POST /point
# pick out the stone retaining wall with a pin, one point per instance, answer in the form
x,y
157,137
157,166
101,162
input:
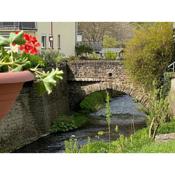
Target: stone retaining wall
x,y
32,115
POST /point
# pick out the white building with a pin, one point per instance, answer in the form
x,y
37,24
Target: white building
x,y
52,35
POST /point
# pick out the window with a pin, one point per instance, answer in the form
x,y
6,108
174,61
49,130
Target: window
x,y
51,41
59,42
43,41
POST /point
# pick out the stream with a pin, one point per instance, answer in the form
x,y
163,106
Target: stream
x,y
125,114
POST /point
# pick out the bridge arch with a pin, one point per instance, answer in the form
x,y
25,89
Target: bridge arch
x,y
86,77
78,92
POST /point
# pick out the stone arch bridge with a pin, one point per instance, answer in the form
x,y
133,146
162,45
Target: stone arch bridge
x,y
87,76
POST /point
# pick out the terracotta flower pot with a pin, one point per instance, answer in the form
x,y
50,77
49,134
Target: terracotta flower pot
x,y
11,84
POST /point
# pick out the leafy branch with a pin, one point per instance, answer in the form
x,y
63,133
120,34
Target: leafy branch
x,y
16,61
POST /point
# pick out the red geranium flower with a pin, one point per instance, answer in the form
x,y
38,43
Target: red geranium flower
x,y
31,44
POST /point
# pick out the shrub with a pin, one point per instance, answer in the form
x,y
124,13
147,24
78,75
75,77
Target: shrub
x,y
52,57
93,102
71,145
72,58
148,53
93,56
67,123
167,127
83,48
95,147
131,144
110,55
158,112
109,42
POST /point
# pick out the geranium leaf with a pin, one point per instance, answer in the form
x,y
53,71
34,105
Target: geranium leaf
x,y
4,41
49,80
17,38
23,66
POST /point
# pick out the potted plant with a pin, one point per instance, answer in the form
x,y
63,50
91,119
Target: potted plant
x,y
19,63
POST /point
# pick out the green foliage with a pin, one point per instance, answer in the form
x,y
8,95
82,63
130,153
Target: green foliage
x,y
36,60
108,110
100,133
48,80
108,117
71,145
13,39
142,140
93,102
110,55
13,60
95,147
158,112
16,38
52,57
148,53
167,127
132,143
93,56
167,147
116,129
67,123
109,42
73,58
140,25
83,49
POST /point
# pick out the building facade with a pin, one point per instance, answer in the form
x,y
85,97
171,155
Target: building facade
x,y
59,36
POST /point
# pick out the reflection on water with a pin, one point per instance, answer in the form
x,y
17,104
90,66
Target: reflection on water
x,y
121,105
125,115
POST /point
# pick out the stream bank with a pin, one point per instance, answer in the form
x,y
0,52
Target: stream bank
x,y
125,114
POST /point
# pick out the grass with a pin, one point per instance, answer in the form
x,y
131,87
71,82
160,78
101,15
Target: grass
x,y
134,143
139,142
168,127
131,144
168,147
95,147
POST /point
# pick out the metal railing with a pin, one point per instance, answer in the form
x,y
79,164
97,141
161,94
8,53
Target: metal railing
x,y
172,66
18,26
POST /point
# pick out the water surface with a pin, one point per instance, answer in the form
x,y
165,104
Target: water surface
x,y
126,116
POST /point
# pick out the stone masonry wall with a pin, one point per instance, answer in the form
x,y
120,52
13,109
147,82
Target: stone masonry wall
x,y
85,77
32,115
92,70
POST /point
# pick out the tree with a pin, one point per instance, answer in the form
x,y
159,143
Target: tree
x,y
148,53
139,25
94,31
109,42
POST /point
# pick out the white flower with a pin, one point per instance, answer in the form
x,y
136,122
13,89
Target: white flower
x,y
14,48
